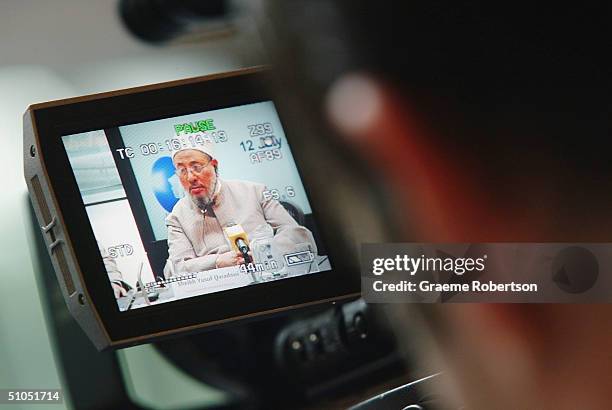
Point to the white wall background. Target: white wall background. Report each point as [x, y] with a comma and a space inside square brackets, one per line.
[57, 49]
[113, 224]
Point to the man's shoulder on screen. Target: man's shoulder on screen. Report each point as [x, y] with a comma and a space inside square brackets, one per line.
[185, 203]
[242, 186]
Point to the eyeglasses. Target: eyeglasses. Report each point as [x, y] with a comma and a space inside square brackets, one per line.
[195, 169]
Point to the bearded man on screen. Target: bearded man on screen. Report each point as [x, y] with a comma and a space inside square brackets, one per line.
[196, 237]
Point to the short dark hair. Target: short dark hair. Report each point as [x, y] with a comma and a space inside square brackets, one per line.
[520, 94]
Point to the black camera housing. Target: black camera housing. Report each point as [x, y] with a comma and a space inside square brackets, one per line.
[70, 239]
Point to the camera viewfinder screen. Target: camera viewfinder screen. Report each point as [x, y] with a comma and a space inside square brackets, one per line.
[195, 204]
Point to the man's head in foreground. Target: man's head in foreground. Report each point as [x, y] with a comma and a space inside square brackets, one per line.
[485, 124]
[197, 171]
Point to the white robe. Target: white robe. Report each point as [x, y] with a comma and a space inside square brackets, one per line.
[195, 239]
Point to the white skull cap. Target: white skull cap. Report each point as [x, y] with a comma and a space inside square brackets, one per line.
[207, 148]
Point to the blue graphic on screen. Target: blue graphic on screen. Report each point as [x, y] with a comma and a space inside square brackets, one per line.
[166, 185]
[160, 187]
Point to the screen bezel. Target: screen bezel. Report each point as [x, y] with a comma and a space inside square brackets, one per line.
[153, 103]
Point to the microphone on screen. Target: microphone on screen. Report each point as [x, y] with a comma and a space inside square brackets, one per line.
[239, 241]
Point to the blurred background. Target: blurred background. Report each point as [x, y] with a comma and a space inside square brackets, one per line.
[464, 123]
[58, 49]
[65, 48]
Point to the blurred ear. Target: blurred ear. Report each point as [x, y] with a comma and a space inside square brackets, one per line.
[214, 163]
[503, 356]
[384, 130]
